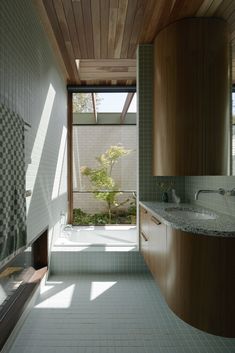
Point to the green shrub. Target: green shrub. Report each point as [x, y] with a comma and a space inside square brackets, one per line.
[120, 217]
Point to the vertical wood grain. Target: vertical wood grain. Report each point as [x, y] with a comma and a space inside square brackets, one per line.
[96, 24]
[200, 286]
[79, 21]
[122, 10]
[88, 28]
[130, 15]
[113, 12]
[104, 9]
[191, 98]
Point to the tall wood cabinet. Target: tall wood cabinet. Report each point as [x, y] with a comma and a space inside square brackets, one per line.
[191, 123]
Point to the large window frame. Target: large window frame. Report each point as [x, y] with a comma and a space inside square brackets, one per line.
[83, 89]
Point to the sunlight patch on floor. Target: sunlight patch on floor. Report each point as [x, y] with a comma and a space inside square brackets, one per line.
[98, 288]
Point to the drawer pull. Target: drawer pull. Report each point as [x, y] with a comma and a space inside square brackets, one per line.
[155, 220]
[144, 236]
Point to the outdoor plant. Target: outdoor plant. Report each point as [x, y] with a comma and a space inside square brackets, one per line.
[103, 184]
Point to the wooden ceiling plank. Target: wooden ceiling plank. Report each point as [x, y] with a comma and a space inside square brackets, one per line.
[130, 15]
[231, 21]
[136, 29]
[62, 19]
[151, 7]
[108, 69]
[79, 21]
[88, 29]
[104, 10]
[69, 17]
[94, 107]
[224, 9]
[158, 20]
[113, 11]
[107, 62]
[58, 6]
[121, 17]
[96, 25]
[50, 10]
[204, 8]
[185, 8]
[41, 9]
[126, 106]
[108, 76]
[214, 6]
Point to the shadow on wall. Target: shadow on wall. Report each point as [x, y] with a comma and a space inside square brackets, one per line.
[46, 174]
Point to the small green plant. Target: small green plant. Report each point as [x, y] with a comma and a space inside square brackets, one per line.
[103, 185]
[120, 217]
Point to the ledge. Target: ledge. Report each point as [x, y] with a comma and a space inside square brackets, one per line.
[222, 226]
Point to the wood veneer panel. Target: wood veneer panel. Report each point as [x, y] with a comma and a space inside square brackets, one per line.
[104, 9]
[49, 7]
[191, 98]
[111, 28]
[113, 12]
[70, 20]
[130, 15]
[96, 24]
[157, 251]
[78, 15]
[200, 285]
[88, 28]
[59, 10]
[119, 37]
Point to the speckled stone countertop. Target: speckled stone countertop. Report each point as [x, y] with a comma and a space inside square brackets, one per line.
[223, 225]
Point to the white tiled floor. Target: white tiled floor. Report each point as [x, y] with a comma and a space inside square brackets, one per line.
[109, 313]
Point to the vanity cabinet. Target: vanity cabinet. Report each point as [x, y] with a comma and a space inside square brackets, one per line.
[195, 272]
[153, 245]
[200, 280]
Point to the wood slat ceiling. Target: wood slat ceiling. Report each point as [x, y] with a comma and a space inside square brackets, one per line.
[104, 31]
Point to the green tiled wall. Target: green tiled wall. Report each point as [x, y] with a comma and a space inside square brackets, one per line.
[224, 204]
[145, 112]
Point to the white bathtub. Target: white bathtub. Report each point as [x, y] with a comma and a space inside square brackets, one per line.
[120, 235]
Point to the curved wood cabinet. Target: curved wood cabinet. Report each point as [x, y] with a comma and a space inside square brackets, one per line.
[196, 274]
[200, 280]
[192, 98]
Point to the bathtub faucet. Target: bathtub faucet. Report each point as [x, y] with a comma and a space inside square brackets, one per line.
[218, 191]
[68, 227]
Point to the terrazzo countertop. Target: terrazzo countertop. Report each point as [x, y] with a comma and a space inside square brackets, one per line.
[223, 225]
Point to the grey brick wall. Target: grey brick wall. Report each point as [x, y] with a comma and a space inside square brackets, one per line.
[90, 142]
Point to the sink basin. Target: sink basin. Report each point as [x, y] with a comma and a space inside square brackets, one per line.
[190, 214]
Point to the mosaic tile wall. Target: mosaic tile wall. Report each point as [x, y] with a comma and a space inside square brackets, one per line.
[31, 85]
[149, 185]
[224, 204]
[96, 262]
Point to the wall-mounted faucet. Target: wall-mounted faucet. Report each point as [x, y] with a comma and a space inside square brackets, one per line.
[218, 191]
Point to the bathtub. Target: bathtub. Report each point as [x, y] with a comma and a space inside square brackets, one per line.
[113, 235]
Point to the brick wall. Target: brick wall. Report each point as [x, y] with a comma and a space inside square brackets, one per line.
[90, 142]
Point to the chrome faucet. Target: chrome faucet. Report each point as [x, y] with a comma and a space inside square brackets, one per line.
[218, 191]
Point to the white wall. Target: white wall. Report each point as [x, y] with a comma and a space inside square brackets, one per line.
[31, 85]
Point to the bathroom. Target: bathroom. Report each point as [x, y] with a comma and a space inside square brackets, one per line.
[94, 301]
